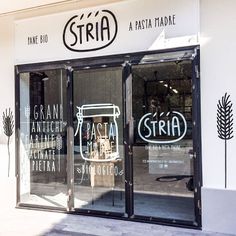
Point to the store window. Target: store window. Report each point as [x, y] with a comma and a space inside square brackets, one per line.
[118, 136]
[42, 149]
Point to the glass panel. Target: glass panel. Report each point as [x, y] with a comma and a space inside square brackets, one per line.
[99, 152]
[43, 138]
[163, 147]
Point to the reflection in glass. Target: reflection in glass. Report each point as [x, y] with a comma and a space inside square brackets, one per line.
[99, 153]
[163, 149]
[43, 151]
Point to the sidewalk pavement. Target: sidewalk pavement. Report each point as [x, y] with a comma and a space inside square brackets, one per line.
[15, 222]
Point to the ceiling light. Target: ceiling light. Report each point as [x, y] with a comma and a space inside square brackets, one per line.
[45, 79]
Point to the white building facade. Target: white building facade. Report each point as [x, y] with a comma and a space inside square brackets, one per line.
[121, 108]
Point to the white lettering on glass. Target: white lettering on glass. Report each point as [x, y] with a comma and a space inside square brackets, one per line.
[43, 139]
[172, 125]
[98, 140]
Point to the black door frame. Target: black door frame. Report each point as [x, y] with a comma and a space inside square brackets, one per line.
[125, 61]
[197, 136]
[128, 137]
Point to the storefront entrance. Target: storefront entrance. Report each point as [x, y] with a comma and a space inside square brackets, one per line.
[117, 136]
[163, 140]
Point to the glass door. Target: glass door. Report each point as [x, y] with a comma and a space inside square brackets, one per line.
[163, 150]
[98, 142]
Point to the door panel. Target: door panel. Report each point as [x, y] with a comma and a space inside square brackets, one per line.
[98, 142]
[163, 140]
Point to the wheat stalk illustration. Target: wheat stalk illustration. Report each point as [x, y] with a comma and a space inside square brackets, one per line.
[59, 147]
[8, 126]
[225, 124]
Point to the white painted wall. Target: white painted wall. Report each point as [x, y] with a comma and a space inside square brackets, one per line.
[218, 48]
[183, 31]
[219, 210]
[14, 5]
[7, 95]
[7, 184]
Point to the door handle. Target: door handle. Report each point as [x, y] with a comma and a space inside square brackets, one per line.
[130, 150]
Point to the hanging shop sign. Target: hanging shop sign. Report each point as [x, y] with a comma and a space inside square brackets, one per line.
[131, 26]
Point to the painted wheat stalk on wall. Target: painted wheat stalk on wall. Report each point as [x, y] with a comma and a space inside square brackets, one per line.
[8, 126]
[225, 124]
